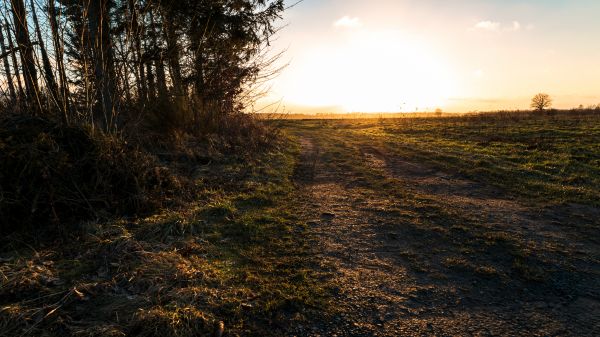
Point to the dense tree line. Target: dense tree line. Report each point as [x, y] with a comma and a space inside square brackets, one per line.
[109, 62]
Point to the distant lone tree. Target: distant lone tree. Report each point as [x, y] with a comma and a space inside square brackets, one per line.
[541, 101]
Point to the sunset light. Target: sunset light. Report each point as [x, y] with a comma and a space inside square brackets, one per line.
[373, 71]
[389, 56]
[299, 168]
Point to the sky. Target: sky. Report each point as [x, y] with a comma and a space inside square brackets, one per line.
[420, 55]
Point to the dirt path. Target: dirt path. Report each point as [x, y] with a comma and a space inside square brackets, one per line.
[431, 253]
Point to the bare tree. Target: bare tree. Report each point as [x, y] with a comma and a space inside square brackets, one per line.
[173, 54]
[541, 101]
[13, 55]
[26, 50]
[58, 52]
[11, 86]
[48, 71]
[100, 37]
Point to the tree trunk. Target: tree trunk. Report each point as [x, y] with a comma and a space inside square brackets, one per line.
[151, 84]
[143, 83]
[199, 84]
[157, 55]
[26, 52]
[13, 55]
[161, 77]
[58, 52]
[48, 72]
[173, 56]
[11, 86]
[122, 73]
[135, 36]
[149, 74]
[99, 26]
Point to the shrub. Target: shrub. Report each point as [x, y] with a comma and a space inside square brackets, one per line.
[236, 133]
[52, 176]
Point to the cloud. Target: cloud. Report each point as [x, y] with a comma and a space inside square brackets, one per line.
[488, 25]
[497, 27]
[516, 26]
[348, 22]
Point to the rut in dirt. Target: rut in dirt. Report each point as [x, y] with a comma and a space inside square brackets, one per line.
[443, 256]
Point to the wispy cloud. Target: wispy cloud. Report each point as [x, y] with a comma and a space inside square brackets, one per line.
[488, 25]
[516, 26]
[497, 27]
[348, 22]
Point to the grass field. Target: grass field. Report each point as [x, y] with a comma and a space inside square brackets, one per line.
[480, 225]
[551, 158]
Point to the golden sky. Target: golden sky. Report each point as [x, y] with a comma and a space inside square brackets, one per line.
[460, 55]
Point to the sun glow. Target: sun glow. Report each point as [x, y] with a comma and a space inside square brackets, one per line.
[384, 71]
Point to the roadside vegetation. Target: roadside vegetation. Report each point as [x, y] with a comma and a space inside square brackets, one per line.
[137, 197]
[234, 256]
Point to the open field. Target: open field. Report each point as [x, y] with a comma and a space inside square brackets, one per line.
[551, 158]
[461, 226]
[477, 226]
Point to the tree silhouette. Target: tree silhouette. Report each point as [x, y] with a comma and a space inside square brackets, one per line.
[109, 62]
[541, 101]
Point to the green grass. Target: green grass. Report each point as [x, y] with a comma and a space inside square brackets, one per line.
[242, 254]
[538, 161]
[550, 158]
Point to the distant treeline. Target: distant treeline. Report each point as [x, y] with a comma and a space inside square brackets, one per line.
[109, 62]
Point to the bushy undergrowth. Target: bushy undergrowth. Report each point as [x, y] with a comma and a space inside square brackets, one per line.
[233, 259]
[223, 254]
[53, 176]
[168, 123]
[236, 133]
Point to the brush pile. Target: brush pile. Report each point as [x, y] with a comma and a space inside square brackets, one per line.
[53, 177]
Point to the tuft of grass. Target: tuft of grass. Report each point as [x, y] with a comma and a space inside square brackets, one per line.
[528, 270]
[169, 321]
[220, 208]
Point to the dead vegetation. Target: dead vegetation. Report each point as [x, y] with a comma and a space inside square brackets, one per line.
[52, 176]
[136, 196]
[229, 259]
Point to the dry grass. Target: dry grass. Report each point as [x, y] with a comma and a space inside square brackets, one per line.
[236, 255]
[54, 176]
